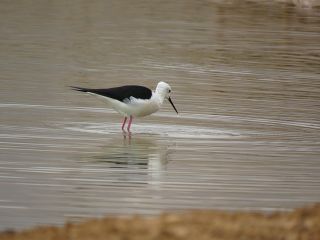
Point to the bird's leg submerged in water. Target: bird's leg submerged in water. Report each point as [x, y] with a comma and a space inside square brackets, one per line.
[129, 124]
[124, 123]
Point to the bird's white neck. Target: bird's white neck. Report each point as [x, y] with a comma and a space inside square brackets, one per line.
[158, 97]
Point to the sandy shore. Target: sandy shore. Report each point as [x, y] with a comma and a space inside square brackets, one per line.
[302, 223]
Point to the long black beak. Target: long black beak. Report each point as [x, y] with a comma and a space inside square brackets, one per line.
[172, 104]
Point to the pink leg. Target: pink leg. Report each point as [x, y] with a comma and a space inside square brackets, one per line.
[124, 123]
[129, 124]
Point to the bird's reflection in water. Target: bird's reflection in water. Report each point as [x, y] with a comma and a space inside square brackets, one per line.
[143, 153]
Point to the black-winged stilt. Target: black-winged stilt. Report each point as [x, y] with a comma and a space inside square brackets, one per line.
[132, 100]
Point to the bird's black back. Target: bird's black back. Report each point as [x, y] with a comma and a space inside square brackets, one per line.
[120, 93]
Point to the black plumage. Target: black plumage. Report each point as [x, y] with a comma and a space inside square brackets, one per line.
[120, 93]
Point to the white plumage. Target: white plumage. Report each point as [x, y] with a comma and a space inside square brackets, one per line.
[133, 101]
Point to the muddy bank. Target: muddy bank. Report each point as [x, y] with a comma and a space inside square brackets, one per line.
[299, 224]
[299, 3]
[302, 3]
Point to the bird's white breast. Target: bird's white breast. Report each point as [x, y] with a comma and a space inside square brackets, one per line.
[142, 107]
[133, 106]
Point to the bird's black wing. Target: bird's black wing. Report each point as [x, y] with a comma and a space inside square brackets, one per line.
[120, 93]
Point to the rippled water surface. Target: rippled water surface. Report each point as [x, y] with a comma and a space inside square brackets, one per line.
[245, 79]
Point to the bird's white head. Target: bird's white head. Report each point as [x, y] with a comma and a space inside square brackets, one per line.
[164, 91]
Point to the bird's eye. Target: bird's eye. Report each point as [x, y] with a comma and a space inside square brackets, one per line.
[169, 91]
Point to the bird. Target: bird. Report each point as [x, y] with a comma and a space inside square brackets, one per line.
[132, 100]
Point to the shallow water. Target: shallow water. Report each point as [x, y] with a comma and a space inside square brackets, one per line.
[245, 79]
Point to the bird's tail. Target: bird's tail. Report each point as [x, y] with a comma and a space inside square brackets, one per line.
[80, 89]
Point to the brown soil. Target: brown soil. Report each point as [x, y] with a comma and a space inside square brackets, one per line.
[299, 224]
